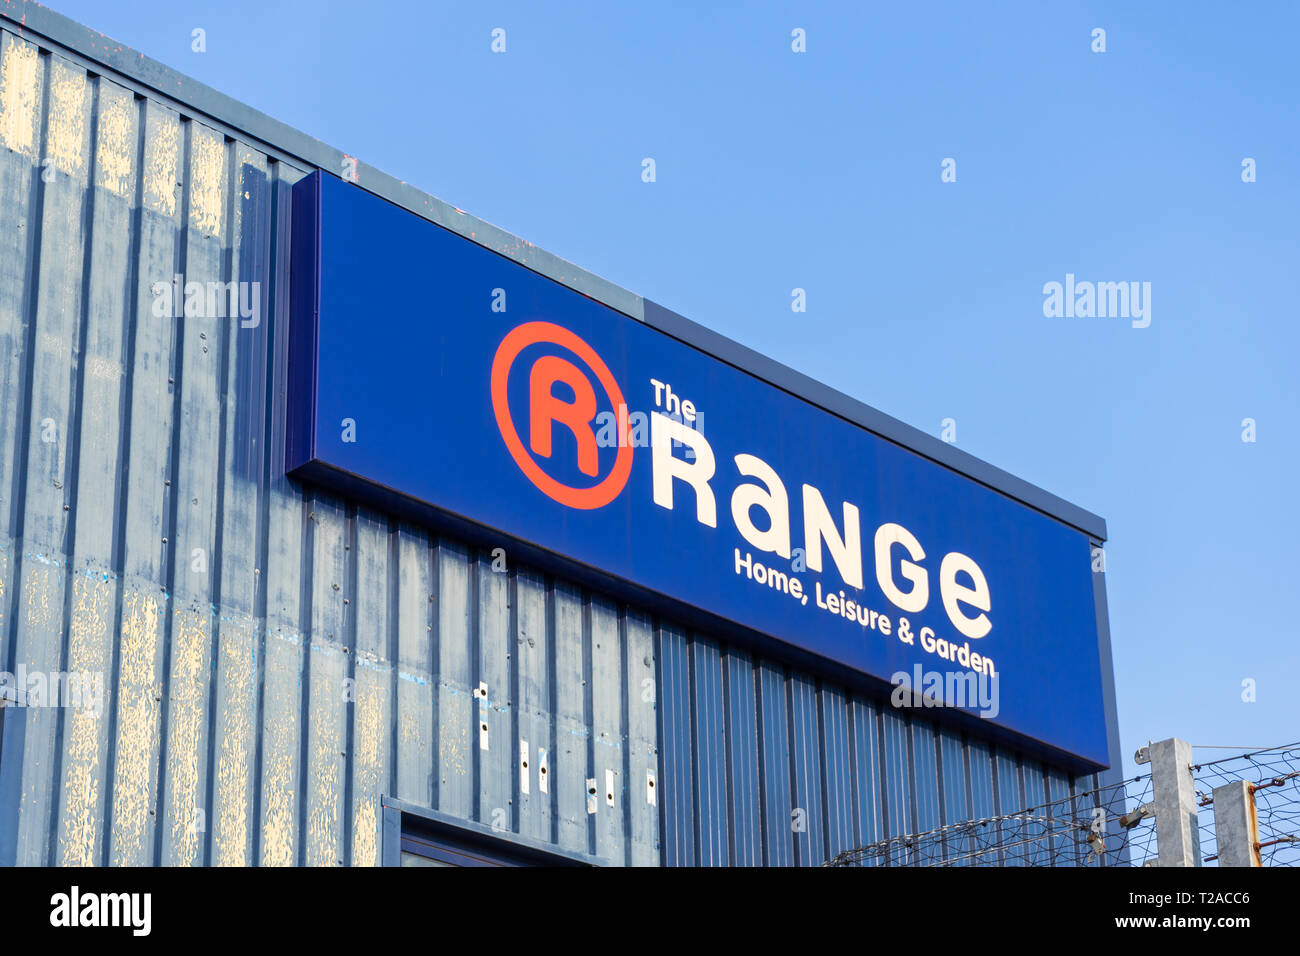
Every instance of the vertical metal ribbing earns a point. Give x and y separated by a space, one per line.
118 562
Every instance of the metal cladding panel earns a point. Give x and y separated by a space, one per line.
808 823
926 774
868 796
775 792
983 803
707 733
835 769
955 797
743 759
277 658
1064 849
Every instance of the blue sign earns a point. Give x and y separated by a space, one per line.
428 366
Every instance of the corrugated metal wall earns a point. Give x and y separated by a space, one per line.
764 765
277 659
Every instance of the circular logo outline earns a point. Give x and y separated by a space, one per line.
518 339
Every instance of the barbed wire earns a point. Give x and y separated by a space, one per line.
1274 774
1102 827
1112 825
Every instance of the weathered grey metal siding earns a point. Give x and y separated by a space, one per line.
277 659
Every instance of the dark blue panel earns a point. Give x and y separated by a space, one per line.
13 727
775 751
955 808
926 764
1040 851
898 790
304 289
805 756
742 760
676 788
1064 845
1011 799
983 802
458 379
837 766
868 789
711 758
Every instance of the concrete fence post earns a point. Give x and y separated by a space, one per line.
1236 828
1177 835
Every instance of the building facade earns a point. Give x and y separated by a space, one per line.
293 675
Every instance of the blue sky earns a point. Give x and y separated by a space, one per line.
821 170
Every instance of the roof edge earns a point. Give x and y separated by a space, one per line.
33 21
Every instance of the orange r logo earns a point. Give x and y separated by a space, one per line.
546 410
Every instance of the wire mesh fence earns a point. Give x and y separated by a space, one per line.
1100 827
1113 825
1274 775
